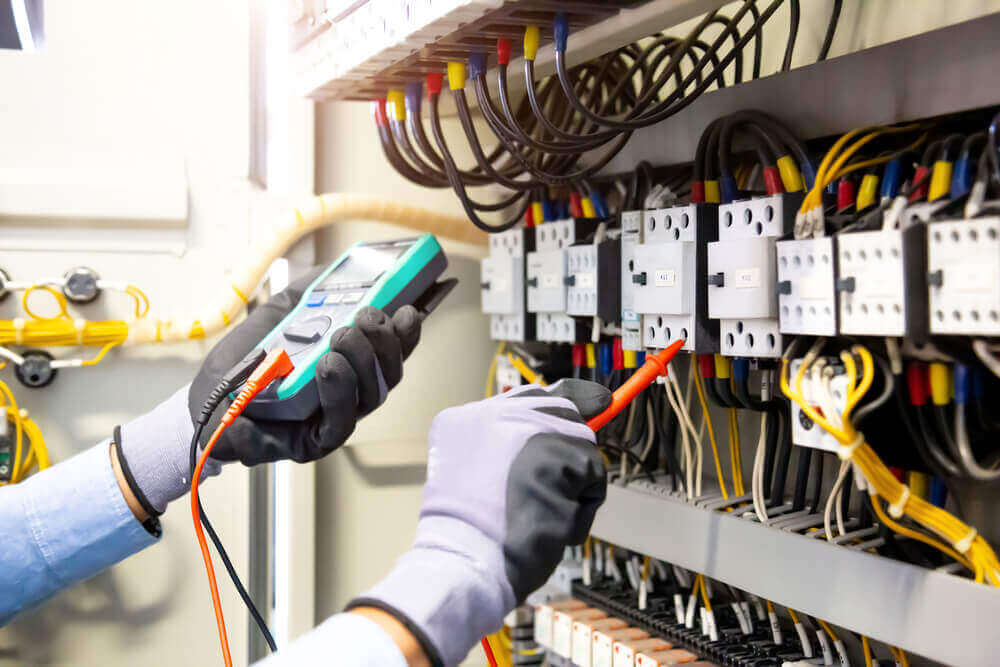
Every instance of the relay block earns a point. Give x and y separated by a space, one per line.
807 278
963 276
882 282
742 274
805 432
502 286
665 277
567 277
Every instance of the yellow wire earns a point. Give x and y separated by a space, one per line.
525 370
795 617
770 606
900 656
491 375
914 535
12 408
704 594
141 300
734 452
711 433
828 629
59 298
868 651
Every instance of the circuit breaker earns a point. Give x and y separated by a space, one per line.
882 282
742 274
807 295
666 275
631 224
502 286
963 276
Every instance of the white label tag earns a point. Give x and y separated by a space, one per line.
689 614
500 284
814 287
842 653
665 278
775 628
745 606
543 626
713 631
678 607
549 280
824 645
704 620
585 280
642 595
746 278
741 618
586 571
804 638
630 316
971 277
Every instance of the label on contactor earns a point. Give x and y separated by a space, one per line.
585 280
664 278
549 280
745 278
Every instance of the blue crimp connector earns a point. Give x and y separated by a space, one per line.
477 64
640 359
939 492
560 31
604 359
563 208
961 177
892 178
961 383
414 95
548 210
600 206
728 190
741 369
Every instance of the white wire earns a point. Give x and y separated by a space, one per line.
694 440
11 356
757 476
687 428
833 499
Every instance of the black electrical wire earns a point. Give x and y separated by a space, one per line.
651 472
801 478
818 476
223 555
793 32
991 144
782 461
831 29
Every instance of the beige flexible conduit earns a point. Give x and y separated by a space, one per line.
319 212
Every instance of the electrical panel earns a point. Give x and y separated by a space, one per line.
666 277
502 286
963 276
742 275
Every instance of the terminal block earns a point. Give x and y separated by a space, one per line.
502 286
631 320
667 276
742 274
805 432
807 295
547 278
963 276
882 282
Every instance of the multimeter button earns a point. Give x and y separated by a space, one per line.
308 331
316 300
352 297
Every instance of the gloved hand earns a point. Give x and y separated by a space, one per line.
365 361
511 481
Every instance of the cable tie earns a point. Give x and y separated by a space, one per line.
79 324
847 451
18 323
896 508
964 544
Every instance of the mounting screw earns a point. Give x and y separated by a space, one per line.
784 287
532 282
717 279
805 421
846 284
4 279
81 284
36 371
935 278
639 278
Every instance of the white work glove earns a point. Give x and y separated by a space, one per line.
511 481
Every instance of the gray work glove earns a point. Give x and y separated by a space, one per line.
511 481
365 361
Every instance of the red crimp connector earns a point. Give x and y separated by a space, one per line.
917 379
845 194
434 83
921 191
706 365
575 205
378 110
617 355
899 474
772 181
697 192
503 51
579 355
529 217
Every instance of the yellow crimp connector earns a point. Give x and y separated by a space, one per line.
591 356
940 180
532 36
630 359
456 76
791 177
537 212
712 194
940 384
867 192
397 105
588 208
721 366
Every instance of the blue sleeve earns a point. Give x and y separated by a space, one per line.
345 640
61 526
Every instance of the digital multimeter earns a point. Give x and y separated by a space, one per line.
386 274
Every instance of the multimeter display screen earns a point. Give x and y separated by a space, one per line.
363 265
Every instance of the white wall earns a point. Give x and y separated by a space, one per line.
132 91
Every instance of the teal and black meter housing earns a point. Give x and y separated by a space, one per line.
385 274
